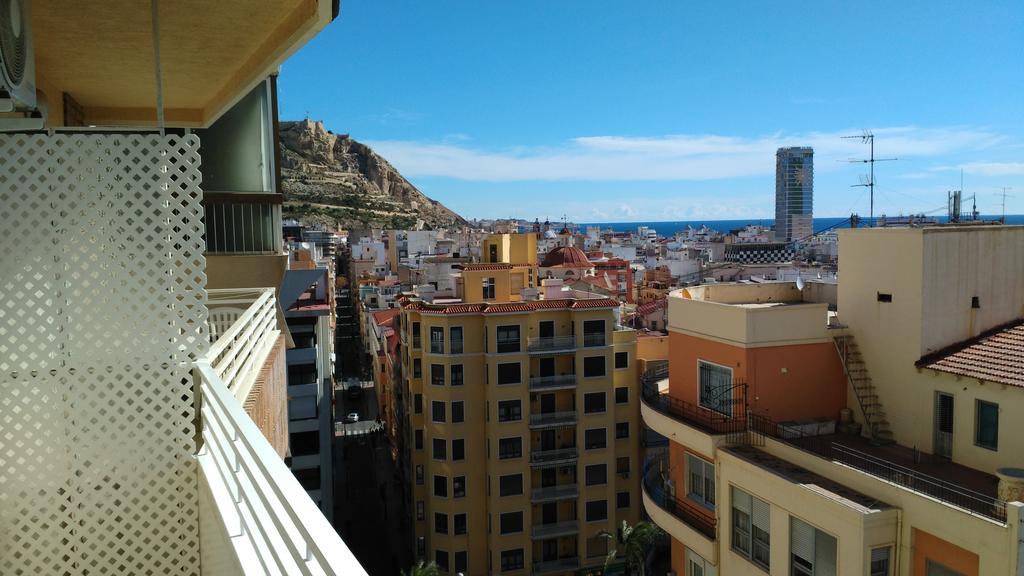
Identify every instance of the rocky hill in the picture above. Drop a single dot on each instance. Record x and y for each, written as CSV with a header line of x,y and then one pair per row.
x,y
331,179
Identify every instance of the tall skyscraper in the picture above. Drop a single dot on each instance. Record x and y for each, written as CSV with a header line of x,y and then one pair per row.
x,y
794,193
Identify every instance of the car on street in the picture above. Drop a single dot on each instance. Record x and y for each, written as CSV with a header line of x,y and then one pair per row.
x,y
352,417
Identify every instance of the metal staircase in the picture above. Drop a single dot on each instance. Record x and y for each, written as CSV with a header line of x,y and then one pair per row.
x,y
864,389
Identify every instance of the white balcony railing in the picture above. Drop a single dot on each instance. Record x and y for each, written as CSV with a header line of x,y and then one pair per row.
x,y
268,522
243,328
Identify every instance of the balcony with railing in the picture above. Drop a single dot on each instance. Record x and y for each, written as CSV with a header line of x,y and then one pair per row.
x,y
553,419
554,457
699,426
555,382
551,344
262,519
555,493
680,518
238,223
568,564
594,339
555,529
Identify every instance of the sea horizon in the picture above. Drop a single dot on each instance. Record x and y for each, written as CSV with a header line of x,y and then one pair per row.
x,y
670,227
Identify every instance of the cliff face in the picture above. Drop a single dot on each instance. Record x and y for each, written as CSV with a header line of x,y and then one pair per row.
x,y
331,179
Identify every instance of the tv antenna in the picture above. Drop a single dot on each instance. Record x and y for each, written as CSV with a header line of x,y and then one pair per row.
x,y
868,138
1002,219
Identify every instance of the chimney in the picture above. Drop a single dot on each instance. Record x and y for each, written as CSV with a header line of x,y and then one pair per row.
x,y
552,288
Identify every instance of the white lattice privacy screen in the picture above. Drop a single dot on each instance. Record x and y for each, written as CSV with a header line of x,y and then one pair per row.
x,y
102,303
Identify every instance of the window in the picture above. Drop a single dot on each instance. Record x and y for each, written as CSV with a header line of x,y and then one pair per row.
x,y
305,443
440,523
509,373
419,510
461,562
437,374
458,449
488,288
457,378
593,366
417,368
441,486
510,410
621,430
596,474
701,485
508,338
751,517
622,499
597,547
419,474
421,546
455,339
510,522
510,448
510,485
695,565
419,439
459,524
458,411
436,340
597,510
812,552
417,402
621,360
416,335
933,568
437,411
622,395
595,438
441,559
511,560
622,466
715,387
880,561
884,297
593,333
986,424
440,449
459,486
593,402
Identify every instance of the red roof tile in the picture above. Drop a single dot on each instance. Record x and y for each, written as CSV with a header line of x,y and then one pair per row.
x,y
494,266
384,317
995,356
595,303
652,306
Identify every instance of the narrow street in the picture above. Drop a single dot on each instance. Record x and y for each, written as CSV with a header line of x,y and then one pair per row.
x,y
369,511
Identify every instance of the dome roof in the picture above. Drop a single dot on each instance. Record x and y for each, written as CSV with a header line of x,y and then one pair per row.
x,y
566,257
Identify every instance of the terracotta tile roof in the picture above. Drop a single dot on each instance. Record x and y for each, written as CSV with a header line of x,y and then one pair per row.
x,y
509,307
595,303
995,356
494,266
652,306
384,317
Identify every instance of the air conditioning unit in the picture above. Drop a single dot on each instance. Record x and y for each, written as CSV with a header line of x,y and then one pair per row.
x,y
17,59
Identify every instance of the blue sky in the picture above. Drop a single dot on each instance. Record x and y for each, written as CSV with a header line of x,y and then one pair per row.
x,y
632,111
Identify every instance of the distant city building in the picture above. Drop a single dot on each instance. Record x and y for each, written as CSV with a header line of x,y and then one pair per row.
x,y
794,193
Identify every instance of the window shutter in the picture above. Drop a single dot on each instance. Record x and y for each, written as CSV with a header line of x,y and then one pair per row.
x,y
761,514
880,554
741,500
802,540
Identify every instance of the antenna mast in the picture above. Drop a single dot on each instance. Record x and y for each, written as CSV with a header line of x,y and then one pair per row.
x,y
1002,219
869,138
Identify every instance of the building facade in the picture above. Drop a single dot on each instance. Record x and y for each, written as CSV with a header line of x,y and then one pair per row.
x,y
794,193
523,417
876,441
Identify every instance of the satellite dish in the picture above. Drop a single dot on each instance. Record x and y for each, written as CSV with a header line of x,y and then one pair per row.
x,y
800,283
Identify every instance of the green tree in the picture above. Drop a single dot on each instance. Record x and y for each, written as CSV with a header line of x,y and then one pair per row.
x,y
422,569
631,545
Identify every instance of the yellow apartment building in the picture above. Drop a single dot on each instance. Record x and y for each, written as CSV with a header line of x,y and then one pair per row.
x,y
522,420
877,439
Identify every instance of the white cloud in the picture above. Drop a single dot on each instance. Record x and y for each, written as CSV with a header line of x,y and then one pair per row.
x,y
680,157
994,168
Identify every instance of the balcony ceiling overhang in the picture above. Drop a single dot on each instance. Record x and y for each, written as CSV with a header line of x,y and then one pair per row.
x,y
212,52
